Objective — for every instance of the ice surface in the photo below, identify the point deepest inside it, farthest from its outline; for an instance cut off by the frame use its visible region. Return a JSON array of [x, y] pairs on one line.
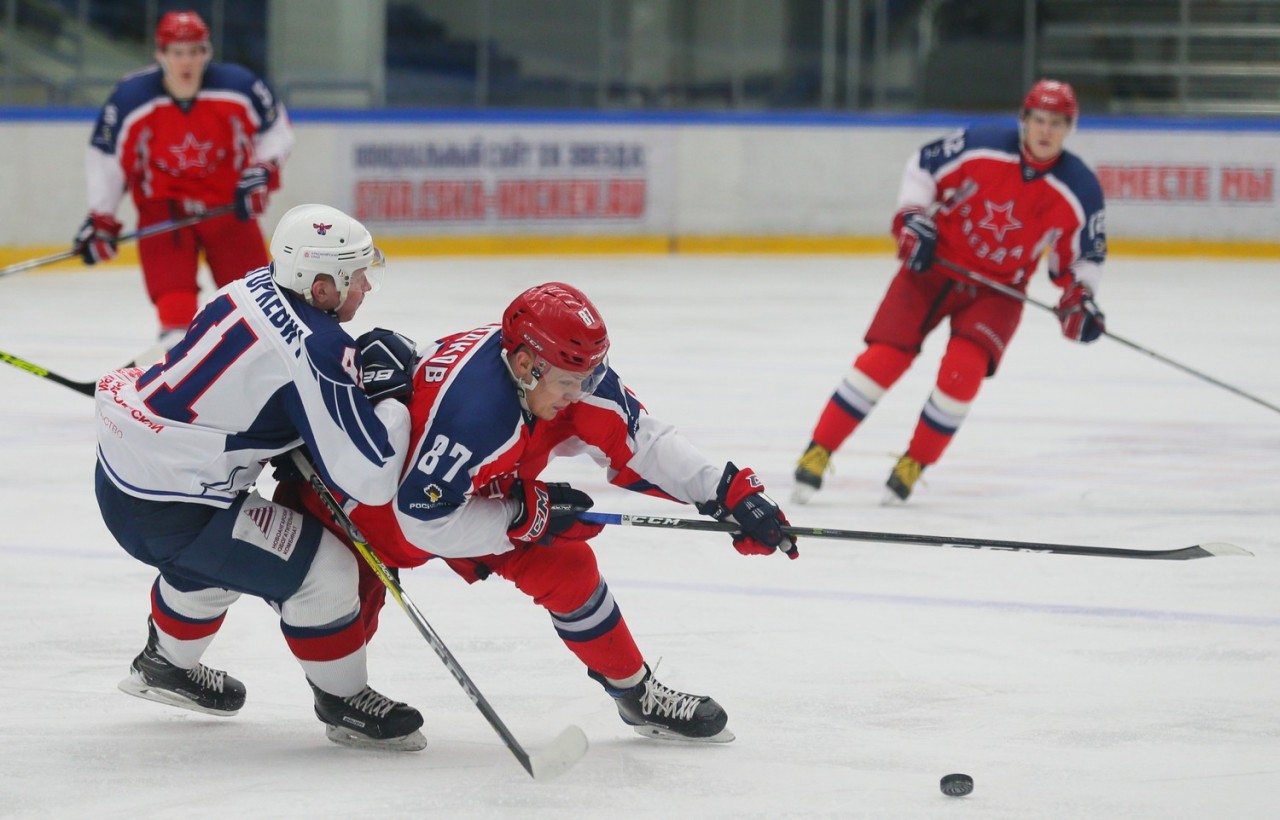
[[1068, 687]]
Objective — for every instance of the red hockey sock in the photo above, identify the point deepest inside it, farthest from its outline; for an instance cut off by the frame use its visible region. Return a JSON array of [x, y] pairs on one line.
[[959, 377], [565, 580], [176, 309], [873, 373], [614, 654]]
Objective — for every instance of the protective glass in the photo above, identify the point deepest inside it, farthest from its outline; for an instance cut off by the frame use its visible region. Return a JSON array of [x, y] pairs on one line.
[[569, 383], [373, 273]]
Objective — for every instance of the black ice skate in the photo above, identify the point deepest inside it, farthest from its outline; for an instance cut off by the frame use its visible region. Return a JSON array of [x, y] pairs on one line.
[[369, 720], [654, 710], [902, 480], [199, 689], [815, 461]]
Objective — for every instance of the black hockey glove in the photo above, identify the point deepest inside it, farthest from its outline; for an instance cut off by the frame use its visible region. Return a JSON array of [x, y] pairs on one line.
[[97, 239], [740, 498], [549, 513], [386, 364], [917, 241], [1081, 319], [251, 192]]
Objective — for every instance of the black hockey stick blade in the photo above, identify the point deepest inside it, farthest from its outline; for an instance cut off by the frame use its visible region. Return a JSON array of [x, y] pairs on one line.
[[554, 760], [86, 388], [1205, 550]]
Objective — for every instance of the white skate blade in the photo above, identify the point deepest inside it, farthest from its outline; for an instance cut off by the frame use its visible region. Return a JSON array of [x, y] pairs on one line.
[[415, 741], [560, 756], [891, 499], [802, 493], [658, 733], [139, 688]]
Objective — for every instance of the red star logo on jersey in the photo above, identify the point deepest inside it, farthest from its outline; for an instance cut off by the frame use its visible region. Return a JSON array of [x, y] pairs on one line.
[[191, 154], [999, 219]]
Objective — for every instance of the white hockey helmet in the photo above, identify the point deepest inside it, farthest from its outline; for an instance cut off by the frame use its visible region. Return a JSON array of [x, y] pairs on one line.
[[311, 240]]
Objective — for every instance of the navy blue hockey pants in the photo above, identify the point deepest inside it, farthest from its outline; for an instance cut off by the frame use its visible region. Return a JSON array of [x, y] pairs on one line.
[[193, 547]]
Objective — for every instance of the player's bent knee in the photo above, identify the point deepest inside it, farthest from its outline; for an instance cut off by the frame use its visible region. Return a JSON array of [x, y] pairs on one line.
[[559, 578], [963, 368], [328, 593], [884, 363]]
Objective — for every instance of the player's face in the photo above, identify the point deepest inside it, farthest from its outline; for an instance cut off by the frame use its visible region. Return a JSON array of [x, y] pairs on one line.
[[360, 285], [1044, 132], [556, 388], [183, 65]]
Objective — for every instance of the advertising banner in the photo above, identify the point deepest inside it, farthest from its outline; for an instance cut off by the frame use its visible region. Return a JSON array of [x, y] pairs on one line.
[[527, 178]]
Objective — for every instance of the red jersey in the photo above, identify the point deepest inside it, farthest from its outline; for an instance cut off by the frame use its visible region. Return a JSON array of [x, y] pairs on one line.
[[192, 153], [996, 213], [469, 429]]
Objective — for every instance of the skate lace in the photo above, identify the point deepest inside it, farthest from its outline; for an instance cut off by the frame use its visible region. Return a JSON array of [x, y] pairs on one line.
[[207, 678], [371, 703], [817, 460], [667, 702], [908, 471]]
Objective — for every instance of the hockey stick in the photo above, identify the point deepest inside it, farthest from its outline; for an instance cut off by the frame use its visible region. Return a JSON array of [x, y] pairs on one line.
[[150, 230], [557, 758], [1014, 293], [147, 356], [86, 388], [1185, 553]]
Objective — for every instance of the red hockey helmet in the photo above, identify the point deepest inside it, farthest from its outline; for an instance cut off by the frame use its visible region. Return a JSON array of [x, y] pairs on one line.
[[180, 27], [560, 326], [1052, 95]]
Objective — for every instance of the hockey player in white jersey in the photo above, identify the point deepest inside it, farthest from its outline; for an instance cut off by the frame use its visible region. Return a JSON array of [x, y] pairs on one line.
[[263, 368]]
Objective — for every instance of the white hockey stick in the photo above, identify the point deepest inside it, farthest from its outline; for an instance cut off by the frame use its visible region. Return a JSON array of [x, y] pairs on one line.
[[556, 759]]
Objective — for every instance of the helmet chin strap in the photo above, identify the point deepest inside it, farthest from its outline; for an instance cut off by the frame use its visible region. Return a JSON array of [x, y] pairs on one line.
[[523, 388]]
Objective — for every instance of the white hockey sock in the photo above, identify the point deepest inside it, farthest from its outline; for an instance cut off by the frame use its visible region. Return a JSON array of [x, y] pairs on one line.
[[627, 683]]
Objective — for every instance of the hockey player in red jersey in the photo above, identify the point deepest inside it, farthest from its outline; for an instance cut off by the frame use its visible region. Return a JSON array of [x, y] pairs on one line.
[[991, 200], [185, 136], [490, 408]]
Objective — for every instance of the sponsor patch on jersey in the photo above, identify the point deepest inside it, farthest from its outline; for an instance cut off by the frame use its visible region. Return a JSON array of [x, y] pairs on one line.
[[268, 527], [433, 492]]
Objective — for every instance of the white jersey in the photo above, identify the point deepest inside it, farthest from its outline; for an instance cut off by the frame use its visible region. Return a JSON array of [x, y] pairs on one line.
[[258, 373]]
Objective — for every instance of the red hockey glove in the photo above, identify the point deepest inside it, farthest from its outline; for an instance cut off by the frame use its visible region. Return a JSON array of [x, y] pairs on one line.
[[548, 513], [97, 238], [917, 239], [252, 190], [1081, 319], [387, 360], [741, 497]]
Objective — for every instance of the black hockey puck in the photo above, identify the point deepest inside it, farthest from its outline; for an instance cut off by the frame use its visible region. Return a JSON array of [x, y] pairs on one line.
[[956, 785]]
